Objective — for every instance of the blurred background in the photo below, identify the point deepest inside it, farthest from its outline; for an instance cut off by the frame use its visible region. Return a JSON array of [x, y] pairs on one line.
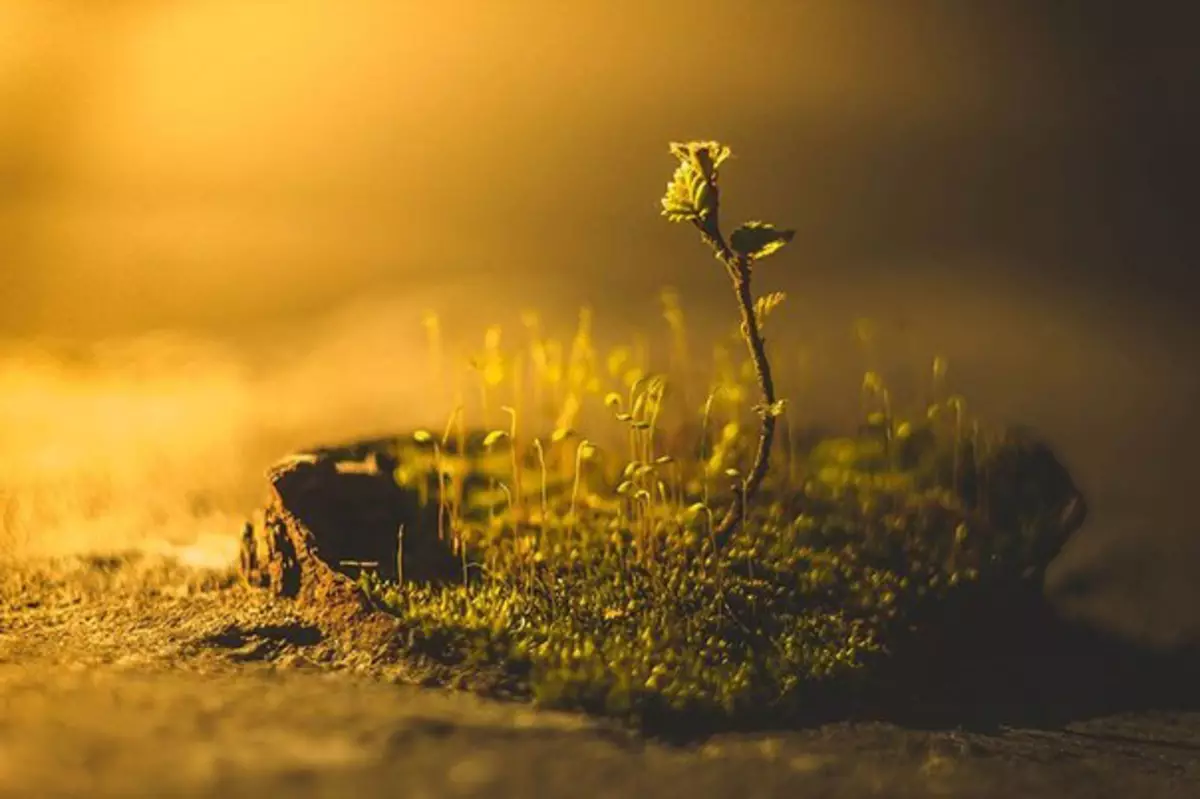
[[221, 222]]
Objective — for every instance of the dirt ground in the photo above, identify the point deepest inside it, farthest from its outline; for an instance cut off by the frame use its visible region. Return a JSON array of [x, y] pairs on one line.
[[136, 677]]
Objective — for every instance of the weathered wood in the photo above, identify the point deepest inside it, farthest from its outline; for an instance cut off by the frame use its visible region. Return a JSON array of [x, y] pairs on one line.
[[323, 518]]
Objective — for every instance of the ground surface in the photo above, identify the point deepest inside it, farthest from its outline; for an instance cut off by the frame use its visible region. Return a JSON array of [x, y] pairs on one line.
[[139, 679]]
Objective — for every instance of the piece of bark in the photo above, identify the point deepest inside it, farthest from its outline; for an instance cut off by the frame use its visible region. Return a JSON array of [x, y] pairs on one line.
[[325, 517]]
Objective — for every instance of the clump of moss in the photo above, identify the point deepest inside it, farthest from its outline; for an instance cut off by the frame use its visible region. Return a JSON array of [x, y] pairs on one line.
[[796, 612], [733, 633], [672, 563]]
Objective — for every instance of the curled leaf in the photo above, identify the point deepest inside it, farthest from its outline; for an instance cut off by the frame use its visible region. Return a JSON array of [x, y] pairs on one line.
[[688, 196], [692, 192]]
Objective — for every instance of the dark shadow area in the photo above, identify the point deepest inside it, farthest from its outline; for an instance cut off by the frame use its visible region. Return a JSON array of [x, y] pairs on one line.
[[1010, 660], [356, 512], [983, 664], [420, 729], [263, 642]]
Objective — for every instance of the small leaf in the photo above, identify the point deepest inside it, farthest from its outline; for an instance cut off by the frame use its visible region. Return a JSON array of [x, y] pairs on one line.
[[775, 409], [705, 157], [688, 196], [692, 192], [767, 303], [422, 437], [756, 240]]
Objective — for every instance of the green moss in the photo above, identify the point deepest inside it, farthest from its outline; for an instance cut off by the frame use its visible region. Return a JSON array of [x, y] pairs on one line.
[[803, 605], [601, 578]]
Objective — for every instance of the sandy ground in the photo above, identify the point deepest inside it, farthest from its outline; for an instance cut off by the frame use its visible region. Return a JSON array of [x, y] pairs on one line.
[[140, 679]]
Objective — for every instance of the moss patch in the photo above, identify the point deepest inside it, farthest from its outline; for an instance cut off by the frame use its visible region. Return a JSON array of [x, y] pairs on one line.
[[796, 618]]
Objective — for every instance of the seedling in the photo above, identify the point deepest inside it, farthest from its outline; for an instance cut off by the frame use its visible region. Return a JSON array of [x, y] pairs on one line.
[[694, 196]]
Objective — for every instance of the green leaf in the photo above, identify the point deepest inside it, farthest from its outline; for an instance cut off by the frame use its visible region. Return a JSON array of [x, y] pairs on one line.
[[776, 408], [767, 303], [689, 196], [758, 239], [692, 193], [705, 157]]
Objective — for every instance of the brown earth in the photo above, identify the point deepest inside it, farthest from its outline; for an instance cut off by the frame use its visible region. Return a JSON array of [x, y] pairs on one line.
[[136, 677]]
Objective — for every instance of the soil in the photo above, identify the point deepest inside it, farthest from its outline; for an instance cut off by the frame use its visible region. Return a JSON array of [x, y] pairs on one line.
[[133, 676]]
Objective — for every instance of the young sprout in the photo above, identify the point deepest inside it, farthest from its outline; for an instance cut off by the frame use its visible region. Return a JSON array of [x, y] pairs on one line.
[[693, 195], [585, 451], [514, 457], [489, 441]]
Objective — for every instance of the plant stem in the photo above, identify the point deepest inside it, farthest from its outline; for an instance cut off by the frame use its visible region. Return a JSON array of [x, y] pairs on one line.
[[738, 268]]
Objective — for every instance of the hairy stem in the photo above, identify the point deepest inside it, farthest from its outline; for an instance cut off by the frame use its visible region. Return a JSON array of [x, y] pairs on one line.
[[738, 268]]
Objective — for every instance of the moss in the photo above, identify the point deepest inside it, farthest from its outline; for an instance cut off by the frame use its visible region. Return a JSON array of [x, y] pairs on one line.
[[618, 573], [800, 610]]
